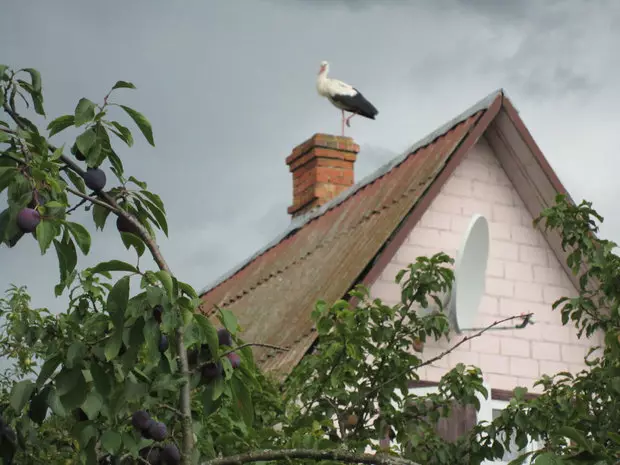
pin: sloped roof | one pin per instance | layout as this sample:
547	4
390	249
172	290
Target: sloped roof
325	253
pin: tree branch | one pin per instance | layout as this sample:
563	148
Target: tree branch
447	351
309	454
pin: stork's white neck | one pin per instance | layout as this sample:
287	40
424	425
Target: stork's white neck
321	83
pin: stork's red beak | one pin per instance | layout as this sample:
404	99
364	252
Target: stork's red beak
322	69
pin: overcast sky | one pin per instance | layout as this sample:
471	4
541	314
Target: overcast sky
229	87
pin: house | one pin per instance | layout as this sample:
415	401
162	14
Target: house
484	161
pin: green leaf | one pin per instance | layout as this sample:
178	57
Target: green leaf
229	320
123	133
131	240
20	394
60	124
142	123
48	369
113	265
54	403
35	77
84	112
86	140
113	345
123	85
92	405
117	301
208	330
81	236
75	354
188	290
46	231
156	199
111	441
244	400
575	436
547	458
67	258
78	182
166	281
37	99
67	379
101	379
218	388
158	214
1	94
100	215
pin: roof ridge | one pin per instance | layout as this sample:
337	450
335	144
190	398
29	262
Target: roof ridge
299	222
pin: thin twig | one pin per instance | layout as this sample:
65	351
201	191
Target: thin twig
447	351
92	199
76	206
309	454
256	344
172	409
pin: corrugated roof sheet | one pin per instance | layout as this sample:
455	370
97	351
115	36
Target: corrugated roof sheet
323	254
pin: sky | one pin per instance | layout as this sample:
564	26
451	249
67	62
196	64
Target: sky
229	87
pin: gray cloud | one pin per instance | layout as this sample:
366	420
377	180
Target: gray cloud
230	91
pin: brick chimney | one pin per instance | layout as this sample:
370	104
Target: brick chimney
322	168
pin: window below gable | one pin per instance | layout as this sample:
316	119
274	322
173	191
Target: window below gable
463	418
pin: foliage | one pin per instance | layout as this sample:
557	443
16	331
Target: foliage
79	378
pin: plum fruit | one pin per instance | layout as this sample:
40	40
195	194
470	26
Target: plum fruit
28	219
163	343
152	454
235	360
140	420
212	370
157	431
95	179
224	337
170	455
125	226
158	311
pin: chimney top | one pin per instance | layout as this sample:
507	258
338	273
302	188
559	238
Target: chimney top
322	168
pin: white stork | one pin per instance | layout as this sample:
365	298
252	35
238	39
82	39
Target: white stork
343	96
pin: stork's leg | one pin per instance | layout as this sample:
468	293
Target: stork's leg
343	119
349	119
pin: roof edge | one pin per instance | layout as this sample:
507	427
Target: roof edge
300	221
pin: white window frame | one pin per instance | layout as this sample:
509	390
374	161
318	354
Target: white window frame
484	414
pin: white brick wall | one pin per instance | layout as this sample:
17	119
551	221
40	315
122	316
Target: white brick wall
523	275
